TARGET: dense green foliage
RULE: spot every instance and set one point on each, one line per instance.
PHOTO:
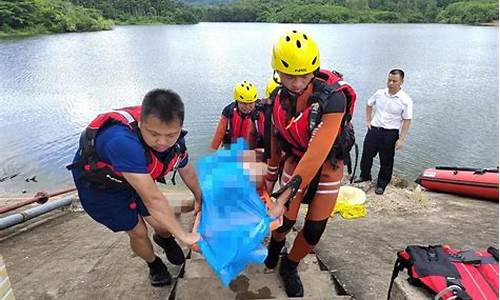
(206, 2)
(38, 16)
(44, 16)
(145, 11)
(472, 12)
(354, 11)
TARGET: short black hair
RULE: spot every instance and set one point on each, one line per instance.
(398, 72)
(166, 105)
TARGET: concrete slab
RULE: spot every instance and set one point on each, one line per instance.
(198, 268)
(263, 286)
(69, 256)
(361, 252)
(317, 285)
(73, 257)
(403, 290)
(256, 282)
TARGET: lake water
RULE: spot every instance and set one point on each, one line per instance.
(52, 86)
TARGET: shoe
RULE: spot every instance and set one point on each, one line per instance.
(158, 273)
(273, 253)
(379, 190)
(360, 179)
(173, 251)
(291, 279)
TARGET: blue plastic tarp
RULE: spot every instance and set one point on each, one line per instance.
(234, 220)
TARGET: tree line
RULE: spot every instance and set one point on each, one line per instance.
(44, 16)
(47, 16)
(144, 11)
(40, 16)
(355, 11)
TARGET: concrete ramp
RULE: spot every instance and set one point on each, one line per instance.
(403, 290)
(256, 282)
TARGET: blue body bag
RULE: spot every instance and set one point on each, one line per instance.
(234, 220)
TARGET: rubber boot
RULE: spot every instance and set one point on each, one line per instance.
(158, 273)
(273, 253)
(290, 276)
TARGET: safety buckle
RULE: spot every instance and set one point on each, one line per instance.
(294, 184)
(467, 257)
(452, 288)
(180, 157)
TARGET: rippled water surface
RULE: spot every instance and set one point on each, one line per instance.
(52, 86)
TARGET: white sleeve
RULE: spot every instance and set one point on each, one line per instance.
(373, 99)
(408, 109)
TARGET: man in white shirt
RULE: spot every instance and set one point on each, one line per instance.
(387, 129)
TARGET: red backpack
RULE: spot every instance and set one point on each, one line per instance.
(346, 139)
(449, 273)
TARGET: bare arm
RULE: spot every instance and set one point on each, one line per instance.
(188, 175)
(404, 132)
(369, 116)
(158, 207)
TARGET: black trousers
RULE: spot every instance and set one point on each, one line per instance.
(381, 141)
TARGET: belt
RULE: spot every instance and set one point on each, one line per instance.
(383, 129)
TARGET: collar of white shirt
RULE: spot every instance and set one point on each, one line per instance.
(399, 94)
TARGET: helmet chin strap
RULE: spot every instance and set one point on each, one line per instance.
(239, 110)
(302, 91)
(243, 114)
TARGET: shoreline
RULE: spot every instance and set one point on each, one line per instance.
(19, 34)
(490, 24)
(401, 196)
(402, 183)
(180, 187)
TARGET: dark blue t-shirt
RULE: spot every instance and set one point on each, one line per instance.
(120, 147)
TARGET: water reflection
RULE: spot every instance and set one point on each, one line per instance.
(52, 86)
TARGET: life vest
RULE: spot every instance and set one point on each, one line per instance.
(237, 125)
(295, 129)
(101, 173)
(259, 120)
(451, 273)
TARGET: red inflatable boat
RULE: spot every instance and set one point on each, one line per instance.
(477, 183)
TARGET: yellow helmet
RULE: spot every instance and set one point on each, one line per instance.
(245, 92)
(271, 86)
(295, 53)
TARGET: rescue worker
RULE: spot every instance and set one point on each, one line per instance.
(259, 116)
(237, 119)
(309, 114)
(121, 154)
